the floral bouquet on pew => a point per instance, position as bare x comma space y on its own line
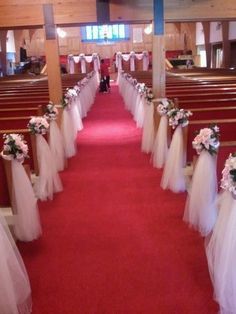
141, 87
77, 89
51, 112
134, 82
14, 147
38, 125
178, 117
164, 106
228, 181
70, 94
149, 95
207, 139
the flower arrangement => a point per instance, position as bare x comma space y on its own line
90, 75
14, 147
38, 125
142, 88
77, 89
70, 94
164, 106
149, 95
145, 53
134, 82
207, 139
228, 181
51, 111
178, 117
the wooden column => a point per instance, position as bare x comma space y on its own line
206, 30
3, 53
226, 44
158, 51
52, 55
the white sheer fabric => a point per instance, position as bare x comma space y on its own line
83, 59
200, 210
57, 146
27, 223
160, 147
139, 110
132, 61
83, 65
76, 115
173, 174
68, 132
15, 296
48, 181
148, 129
131, 57
221, 255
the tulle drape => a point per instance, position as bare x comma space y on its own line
173, 174
48, 181
15, 291
200, 210
160, 147
57, 146
148, 129
68, 132
27, 222
221, 255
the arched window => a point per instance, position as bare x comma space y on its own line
100, 33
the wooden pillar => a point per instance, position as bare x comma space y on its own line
52, 55
158, 50
206, 31
226, 44
3, 53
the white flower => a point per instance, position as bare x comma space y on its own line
38, 125
14, 147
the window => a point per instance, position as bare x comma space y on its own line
100, 33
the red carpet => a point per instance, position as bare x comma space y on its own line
114, 242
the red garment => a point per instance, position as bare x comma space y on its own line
104, 69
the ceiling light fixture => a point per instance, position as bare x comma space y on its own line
148, 29
61, 33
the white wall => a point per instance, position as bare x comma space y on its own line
215, 32
10, 42
232, 30
200, 40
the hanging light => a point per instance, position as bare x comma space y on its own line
148, 29
61, 33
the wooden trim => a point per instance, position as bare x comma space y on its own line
34, 150
15, 118
14, 131
212, 108
212, 121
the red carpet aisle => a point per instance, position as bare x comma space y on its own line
114, 242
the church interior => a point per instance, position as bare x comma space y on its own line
117, 157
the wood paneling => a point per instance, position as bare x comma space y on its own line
184, 10
174, 40
29, 13
18, 13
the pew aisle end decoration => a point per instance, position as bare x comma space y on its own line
27, 225
48, 181
15, 285
200, 209
55, 137
173, 174
148, 124
160, 146
221, 246
69, 130
140, 104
